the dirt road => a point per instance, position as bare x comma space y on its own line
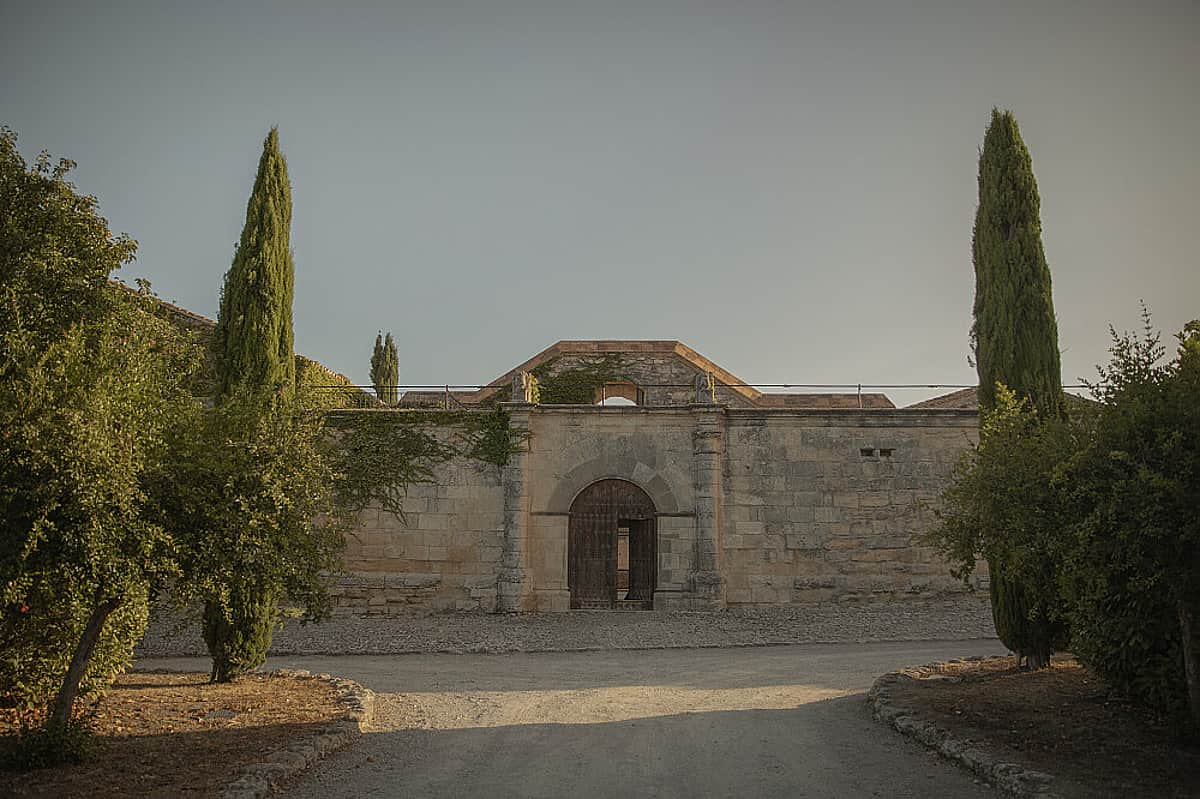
747, 722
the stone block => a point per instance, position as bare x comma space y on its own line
804, 540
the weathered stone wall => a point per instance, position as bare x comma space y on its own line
666, 378
754, 507
571, 448
830, 505
443, 555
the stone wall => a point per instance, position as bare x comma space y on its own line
443, 555
666, 378
823, 506
754, 507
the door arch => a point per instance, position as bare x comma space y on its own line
612, 551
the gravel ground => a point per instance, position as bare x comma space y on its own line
947, 620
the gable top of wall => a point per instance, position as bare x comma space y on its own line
667, 347
623, 347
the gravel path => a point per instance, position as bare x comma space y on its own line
950, 620
783, 721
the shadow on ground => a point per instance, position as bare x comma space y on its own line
828, 748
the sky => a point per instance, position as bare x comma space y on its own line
786, 187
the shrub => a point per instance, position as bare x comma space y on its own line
238, 633
38, 637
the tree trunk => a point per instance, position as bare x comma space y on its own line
65, 701
1190, 638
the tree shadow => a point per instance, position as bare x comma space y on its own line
830, 748
181, 764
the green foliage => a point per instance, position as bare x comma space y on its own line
1026, 615
46, 746
491, 437
1096, 511
253, 339
1015, 343
37, 639
385, 370
1015, 334
262, 492
1130, 637
379, 454
577, 385
56, 252
238, 631
1004, 504
89, 382
1136, 563
320, 388
252, 494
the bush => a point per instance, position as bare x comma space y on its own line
238, 633
39, 635
1004, 504
1131, 640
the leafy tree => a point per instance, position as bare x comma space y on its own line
252, 490
1101, 504
56, 252
1007, 501
385, 369
1015, 343
253, 339
1134, 578
88, 381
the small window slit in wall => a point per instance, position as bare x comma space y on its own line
886, 451
867, 452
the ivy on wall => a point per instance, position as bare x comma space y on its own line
381, 453
574, 385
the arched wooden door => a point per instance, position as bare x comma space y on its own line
611, 547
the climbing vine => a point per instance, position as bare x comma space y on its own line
575, 385
381, 453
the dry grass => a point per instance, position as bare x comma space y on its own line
175, 735
1063, 721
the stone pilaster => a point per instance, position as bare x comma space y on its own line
514, 591
706, 582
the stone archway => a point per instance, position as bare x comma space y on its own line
612, 547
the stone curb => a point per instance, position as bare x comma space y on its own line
358, 703
1009, 777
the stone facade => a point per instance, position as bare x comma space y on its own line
753, 507
443, 555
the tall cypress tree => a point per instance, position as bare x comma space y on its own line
253, 345
1015, 339
253, 339
385, 369
1015, 335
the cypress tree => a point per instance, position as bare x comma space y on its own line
1015, 334
253, 339
253, 348
1015, 341
385, 369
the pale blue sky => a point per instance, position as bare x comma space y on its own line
789, 188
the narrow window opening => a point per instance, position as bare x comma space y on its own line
867, 452
886, 452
